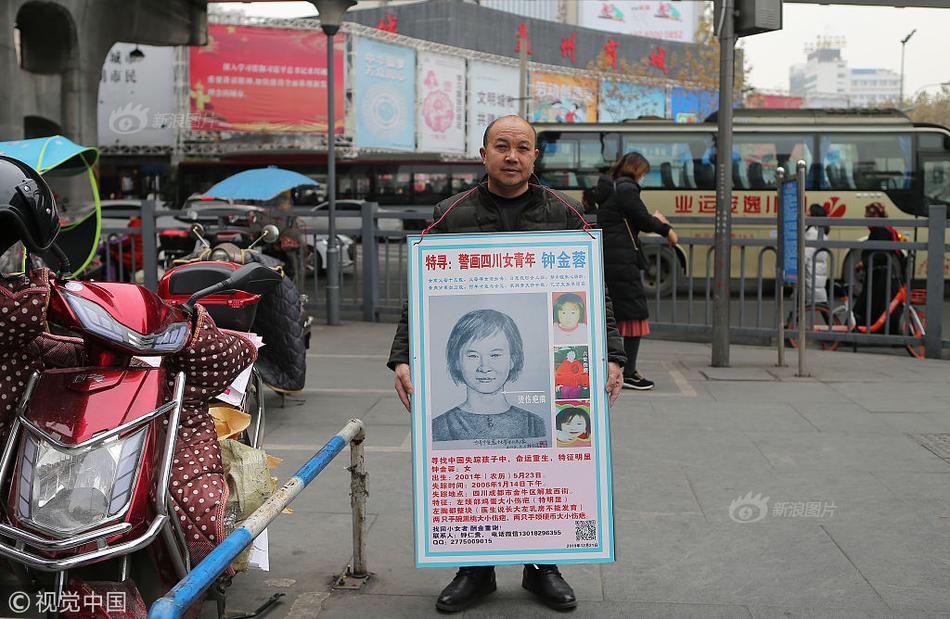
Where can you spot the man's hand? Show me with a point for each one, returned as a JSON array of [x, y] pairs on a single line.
[[672, 238], [403, 383], [614, 381]]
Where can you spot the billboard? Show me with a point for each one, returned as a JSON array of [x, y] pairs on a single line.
[[492, 89], [137, 98], [692, 106], [622, 100], [264, 80], [774, 102], [562, 98], [384, 92], [669, 21], [441, 96]]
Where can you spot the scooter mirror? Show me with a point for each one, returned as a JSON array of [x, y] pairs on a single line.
[[270, 233], [198, 230], [254, 278]]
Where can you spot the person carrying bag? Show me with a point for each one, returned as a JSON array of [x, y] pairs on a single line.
[[622, 216]]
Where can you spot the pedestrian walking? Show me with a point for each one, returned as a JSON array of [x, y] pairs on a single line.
[[622, 216], [510, 198]]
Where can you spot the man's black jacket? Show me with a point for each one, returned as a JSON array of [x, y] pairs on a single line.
[[477, 212]]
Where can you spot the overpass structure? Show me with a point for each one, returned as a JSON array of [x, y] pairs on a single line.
[[52, 52]]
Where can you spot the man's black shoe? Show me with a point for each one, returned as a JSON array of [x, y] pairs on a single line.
[[469, 584], [546, 582]]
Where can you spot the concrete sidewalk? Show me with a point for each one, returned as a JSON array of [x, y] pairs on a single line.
[[854, 462]]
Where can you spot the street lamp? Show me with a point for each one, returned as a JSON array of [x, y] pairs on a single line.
[[903, 43], [331, 16]]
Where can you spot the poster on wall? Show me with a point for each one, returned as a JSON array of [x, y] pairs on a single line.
[[669, 21], [492, 91], [620, 101], [559, 98], [511, 442], [441, 110], [267, 80], [384, 91], [692, 106], [137, 97]]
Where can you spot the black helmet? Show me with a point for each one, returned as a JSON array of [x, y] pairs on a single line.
[[27, 209]]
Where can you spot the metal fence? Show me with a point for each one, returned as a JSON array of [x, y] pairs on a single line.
[[374, 282], [177, 602]]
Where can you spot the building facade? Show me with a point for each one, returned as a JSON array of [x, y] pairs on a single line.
[[826, 80]]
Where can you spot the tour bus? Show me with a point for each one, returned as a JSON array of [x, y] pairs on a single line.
[[853, 157]]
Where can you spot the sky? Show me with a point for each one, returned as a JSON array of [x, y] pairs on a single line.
[[872, 34]]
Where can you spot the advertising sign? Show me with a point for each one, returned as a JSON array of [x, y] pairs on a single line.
[[622, 100], [670, 21], [774, 102], [492, 89], [137, 98], [384, 89], [692, 106], [562, 98], [790, 229], [511, 441], [441, 95], [257, 79]]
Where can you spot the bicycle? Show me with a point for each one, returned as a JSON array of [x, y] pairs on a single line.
[[842, 319]]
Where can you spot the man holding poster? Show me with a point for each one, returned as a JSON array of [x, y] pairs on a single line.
[[494, 479]]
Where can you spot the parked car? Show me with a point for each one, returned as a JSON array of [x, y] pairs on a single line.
[[349, 217]]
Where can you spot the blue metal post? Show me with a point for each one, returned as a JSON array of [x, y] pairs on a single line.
[[177, 601]]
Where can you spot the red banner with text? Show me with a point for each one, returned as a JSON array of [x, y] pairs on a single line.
[[270, 80]]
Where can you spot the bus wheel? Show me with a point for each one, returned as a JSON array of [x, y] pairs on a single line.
[[661, 266]]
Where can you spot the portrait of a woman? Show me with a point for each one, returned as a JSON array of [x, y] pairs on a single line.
[[485, 352]]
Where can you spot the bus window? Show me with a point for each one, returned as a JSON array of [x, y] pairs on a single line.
[[430, 184], [559, 150], [392, 185], [757, 157], [937, 180], [598, 151], [880, 162], [674, 159]]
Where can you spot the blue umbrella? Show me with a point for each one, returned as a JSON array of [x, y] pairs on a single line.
[[44, 154], [260, 184]]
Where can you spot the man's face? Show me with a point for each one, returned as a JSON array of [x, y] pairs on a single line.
[[486, 363], [510, 154]]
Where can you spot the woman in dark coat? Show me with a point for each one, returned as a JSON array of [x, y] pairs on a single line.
[[622, 216]]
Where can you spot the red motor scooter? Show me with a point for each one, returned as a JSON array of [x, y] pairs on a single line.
[[86, 466]]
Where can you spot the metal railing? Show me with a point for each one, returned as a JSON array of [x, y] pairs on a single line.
[[375, 279], [177, 601]]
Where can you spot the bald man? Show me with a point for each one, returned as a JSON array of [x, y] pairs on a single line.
[[509, 199]]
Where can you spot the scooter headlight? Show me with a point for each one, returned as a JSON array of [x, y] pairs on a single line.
[[96, 319], [68, 491]]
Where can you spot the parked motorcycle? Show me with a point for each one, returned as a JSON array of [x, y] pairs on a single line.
[[87, 464], [281, 319]]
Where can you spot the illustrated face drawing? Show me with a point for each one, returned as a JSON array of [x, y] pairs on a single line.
[[486, 363]]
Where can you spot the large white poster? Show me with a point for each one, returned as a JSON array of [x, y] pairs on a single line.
[[137, 97], [441, 96], [670, 21], [492, 92], [511, 437]]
